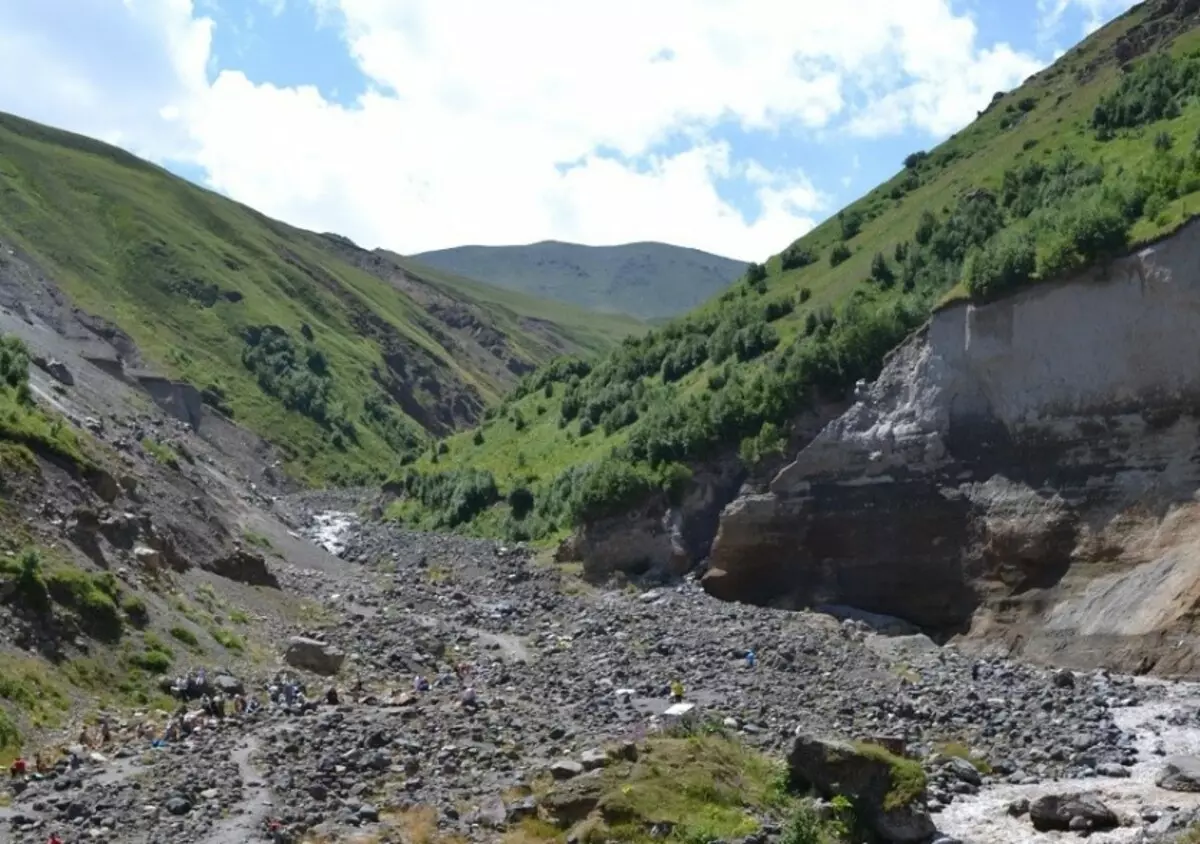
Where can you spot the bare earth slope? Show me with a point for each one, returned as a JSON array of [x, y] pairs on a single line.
[[1025, 468]]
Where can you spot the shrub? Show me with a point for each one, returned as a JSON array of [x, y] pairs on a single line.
[[135, 610], [520, 502], [914, 159], [608, 488], [91, 597], [477, 437], [926, 226], [1163, 142], [838, 254], [851, 222], [187, 637], [1003, 264], [796, 257], [756, 274], [30, 586], [881, 273], [805, 295]]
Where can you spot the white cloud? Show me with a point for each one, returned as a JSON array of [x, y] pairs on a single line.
[[1097, 12], [474, 106]]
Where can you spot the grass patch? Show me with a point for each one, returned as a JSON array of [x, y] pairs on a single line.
[[960, 750], [907, 776], [92, 598], [706, 787], [161, 452], [227, 639], [256, 540], [185, 636], [239, 617]]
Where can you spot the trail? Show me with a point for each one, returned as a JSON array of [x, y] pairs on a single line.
[[983, 819], [251, 814]]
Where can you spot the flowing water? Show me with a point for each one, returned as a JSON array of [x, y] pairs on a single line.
[[983, 818]]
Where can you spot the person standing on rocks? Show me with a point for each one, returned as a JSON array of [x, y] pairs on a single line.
[[676, 691]]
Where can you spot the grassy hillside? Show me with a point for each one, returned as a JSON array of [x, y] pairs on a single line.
[[648, 280], [344, 358], [1080, 163]]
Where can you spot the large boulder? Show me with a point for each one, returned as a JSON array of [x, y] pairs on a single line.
[[312, 655], [888, 791], [1080, 812], [1180, 773]]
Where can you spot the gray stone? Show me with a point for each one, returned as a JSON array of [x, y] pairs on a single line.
[[312, 655], [1180, 773], [565, 769], [1061, 811]]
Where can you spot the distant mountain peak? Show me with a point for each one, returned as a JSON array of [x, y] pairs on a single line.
[[646, 279]]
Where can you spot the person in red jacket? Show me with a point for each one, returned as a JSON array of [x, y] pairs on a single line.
[[18, 768], [54, 839]]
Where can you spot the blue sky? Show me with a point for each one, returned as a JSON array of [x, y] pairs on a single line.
[[727, 125]]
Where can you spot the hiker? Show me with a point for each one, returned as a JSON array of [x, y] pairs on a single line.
[[105, 732], [420, 684], [676, 691], [469, 700], [54, 839], [17, 768], [751, 659], [331, 696]]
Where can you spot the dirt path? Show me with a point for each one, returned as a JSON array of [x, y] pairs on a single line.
[[984, 819], [245, 823]]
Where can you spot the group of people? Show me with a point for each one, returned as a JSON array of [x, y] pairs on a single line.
[[462, 672]]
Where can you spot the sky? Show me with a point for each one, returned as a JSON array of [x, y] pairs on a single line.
[[732, 126]]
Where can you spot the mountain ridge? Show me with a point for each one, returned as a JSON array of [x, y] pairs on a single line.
[[348, 358], [646, 279], [1090, 156]]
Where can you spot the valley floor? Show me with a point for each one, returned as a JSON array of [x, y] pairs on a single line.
[[561, 671]]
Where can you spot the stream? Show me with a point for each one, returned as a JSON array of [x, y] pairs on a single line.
[[984, 819]]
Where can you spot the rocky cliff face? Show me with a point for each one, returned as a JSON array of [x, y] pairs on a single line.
[[1024, 470]]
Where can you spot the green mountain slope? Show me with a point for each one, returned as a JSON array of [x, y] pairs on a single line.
[[345, 358], [648, 280], [1093, 155]]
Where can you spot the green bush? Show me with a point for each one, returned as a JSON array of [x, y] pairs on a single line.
[[93, 599], [797, 257], [1006, 262], [838, 254], [30, 585], [851, 222], [135, 610], [608, 488], [187, 637]]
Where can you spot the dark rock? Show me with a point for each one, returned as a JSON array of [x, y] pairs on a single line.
[[1060, 811], [312, 655], [891, 802]]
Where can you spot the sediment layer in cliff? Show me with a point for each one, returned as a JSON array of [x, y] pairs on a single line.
[[1024, 469]]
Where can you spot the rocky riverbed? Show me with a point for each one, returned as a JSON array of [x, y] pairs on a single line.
[[531, 672]]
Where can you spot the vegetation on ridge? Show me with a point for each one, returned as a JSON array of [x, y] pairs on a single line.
[[1075, 166], [346, 359]]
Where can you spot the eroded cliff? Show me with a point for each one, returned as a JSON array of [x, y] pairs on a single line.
[[1022, 471]]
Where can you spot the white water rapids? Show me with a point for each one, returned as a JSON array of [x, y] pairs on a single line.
[[983, 818]]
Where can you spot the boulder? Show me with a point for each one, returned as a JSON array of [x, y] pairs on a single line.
[[888, 790], [312, 655], [1180, 773], [1079, 812], [244, 566]]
